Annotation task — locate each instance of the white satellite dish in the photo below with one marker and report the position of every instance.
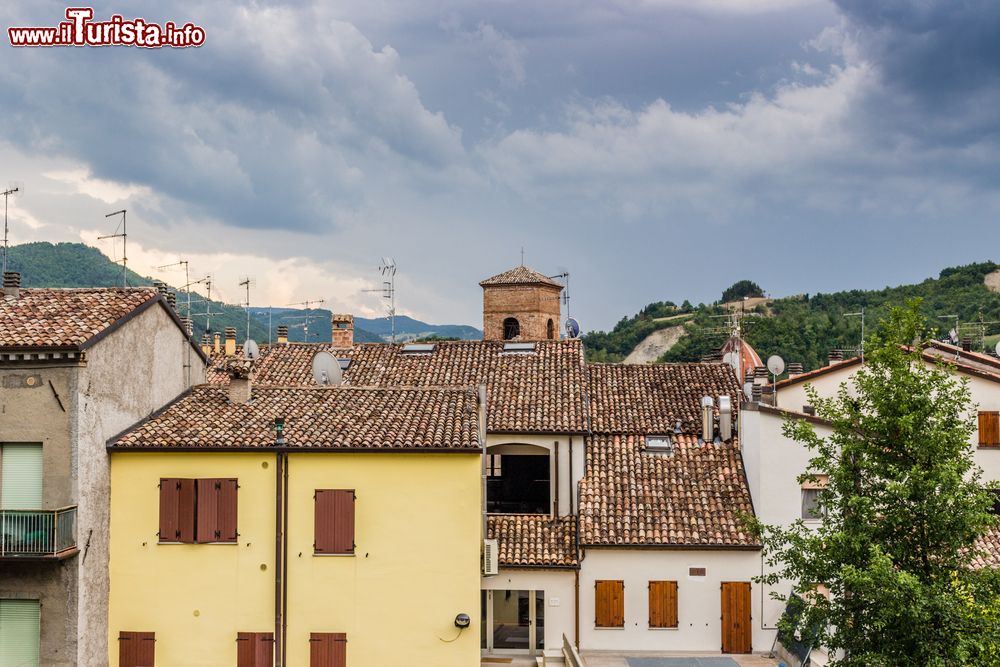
(326, 369)
(250, 349)
(748, 390)
(997, 348)
(776, 364)
(732, 359)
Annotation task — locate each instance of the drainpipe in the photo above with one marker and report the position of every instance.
(482, 441)
(278, 555)
(555, 502)
(284, 566)
(572, 505)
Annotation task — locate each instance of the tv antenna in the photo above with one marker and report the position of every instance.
(187, 279)
(387, 269)
(207, 281)
(860, 314)
(563, 276)
(6, 195)
(308, 317)
(124, 237)
(247, 282)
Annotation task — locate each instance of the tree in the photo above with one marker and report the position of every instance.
(903, 506)
(743, 288)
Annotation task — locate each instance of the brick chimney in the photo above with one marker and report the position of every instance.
(230, 341)
(216, 348)
(283, 334)
(967, 343)
(343, 330)
(239, 380)
(206, 344)
(11, 285)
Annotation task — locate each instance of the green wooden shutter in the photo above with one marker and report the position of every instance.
(21, 479)
(19, 633)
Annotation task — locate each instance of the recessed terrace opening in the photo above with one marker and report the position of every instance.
(518, 480)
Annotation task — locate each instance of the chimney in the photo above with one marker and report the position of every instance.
(794, 368)
(967, 343)
(707, 418)
(230, 341)
(188, 328)
(206, 344)
(760, 375)
(757, 392)
(835, 357)
(239, 381)
(216, 348)
(343, 330)
(11, 285)
(161, 287)
(172, 300)
(283, 334)
(725, 418)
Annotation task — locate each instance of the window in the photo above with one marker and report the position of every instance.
(198, 510)
(493, 465)
(661, 444)
(327, 649)
(663, 604)
(521, 486)
(989, 429)
(511, 328)
(19, 632)
(609, 604)
(550, 329)
(418, 348)
(21, 476)
(136, 649)
(811, 487)
(518, 348)
(254, 649)
(334, 521)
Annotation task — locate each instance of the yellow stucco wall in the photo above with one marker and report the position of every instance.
(416, 565)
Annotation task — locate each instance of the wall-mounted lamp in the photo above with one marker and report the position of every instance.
(462, 621)
(279, 431)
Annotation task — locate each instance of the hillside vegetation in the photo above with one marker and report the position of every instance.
(806, 327)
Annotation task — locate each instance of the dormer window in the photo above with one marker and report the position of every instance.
(660, 444)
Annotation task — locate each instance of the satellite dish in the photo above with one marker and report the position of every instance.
(326, 369)
(250, 349)
(732, 359)
(748, 390)
(776, 364)
(572, 328)
(997, 348)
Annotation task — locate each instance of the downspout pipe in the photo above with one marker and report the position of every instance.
(482, 441)
(279, 539)
(284, 566)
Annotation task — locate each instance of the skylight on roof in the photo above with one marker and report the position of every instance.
(344, 364)
(660, 444)
(418, 348)
(519, 347)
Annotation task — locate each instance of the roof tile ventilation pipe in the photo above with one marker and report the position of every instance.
(707, 418)
(725, 418)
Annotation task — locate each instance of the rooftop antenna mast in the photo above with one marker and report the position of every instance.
(207, 280)
(308, 316)
(124, 237)
(860, 314)
(187, 279)
(387, 269)
(563, 275)
(247, 282)
(6, 195)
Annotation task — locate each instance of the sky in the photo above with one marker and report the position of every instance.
(654, 149)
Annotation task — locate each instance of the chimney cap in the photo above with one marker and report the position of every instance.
(11, 279)
(231, 333)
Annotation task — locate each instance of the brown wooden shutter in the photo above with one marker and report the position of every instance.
(177, 500)
(327, 649)
(334, 529)
(254, 649)
(136, 649)
(227, 510)
(217, 510)
(989, 429)
(663, 604)
(609, 604)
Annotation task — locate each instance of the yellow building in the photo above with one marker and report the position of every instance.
(322, 526)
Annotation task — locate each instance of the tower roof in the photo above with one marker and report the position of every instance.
(520, 275)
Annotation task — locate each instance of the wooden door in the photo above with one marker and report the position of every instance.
(736, 619)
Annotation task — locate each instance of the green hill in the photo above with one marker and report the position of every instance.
(806, 327)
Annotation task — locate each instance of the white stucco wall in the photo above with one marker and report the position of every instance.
(559, 587)
(699, 603)
(131, 373)
(570, 465)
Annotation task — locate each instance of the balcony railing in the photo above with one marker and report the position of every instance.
(37, 533)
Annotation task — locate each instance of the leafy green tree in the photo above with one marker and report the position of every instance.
(903, 505)
(740, 289)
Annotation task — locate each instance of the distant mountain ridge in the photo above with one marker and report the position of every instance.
(44, 264)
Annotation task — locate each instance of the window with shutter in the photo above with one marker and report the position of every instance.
(609, 604)
(217, 510)
(136, 649)
(254, 649)
(19, 631)
(327, 649)
(334, 521)
(989, 429)
(177, 511)
(663, 604)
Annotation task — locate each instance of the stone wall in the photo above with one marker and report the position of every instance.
(531, 305)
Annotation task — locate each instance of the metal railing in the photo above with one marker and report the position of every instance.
(37, 533)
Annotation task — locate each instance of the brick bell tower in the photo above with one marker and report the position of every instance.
(520, 304)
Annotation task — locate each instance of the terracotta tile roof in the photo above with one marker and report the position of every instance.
(315, 417)
(988, 549)
(520, 275)
(534, 540)
(540, 391)
(65, 318)
(651, 399)
(694, 497)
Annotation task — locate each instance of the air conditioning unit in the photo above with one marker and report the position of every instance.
(491, 557)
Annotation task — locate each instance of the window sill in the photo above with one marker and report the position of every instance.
(996, 447)
(601, 627)
(198, 544)
(661, 629)
(315, 555)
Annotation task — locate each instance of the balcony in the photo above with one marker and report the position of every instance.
(38, 534)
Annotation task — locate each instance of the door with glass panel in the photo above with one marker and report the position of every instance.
(513, 622)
